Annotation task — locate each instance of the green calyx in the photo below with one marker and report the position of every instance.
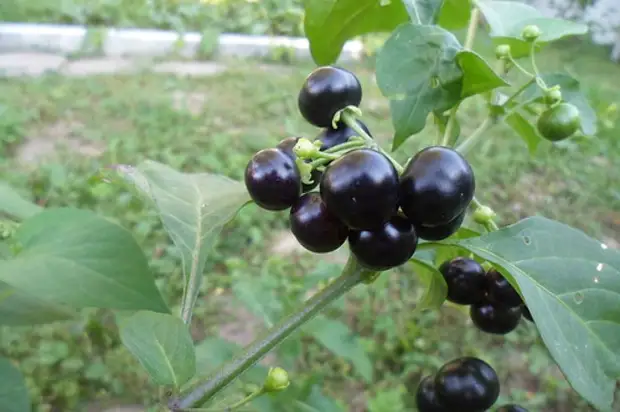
(277, 380)
(531, 33)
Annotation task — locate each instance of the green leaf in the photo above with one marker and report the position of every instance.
(434, 284)
(77, 258)
(13, 204)
(454, 14)
(342, 342)
(478, 76)
(14, 395)
(524, 128)
(163, 346)
(20, 309)
(507, 19)
(194, 207)
(418, 72)
(571, 284)
(571, 93)
(328, 24)
(317, 402)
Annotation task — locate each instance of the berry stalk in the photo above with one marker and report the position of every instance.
(352, 275)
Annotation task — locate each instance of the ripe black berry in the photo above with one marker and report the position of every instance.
(361, 188)
(466, 280)
(386, 247)
(332, 137)
(467, 385)
(272, 180)
(314, 226)
(526, 313)
(501, 292)
(327, 90)
(511, 408)
(495, 320)
(436, 186)
(287, 146)
(426, 397)
(440, 232)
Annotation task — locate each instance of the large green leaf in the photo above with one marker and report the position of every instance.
(507, 19)
(194, 207)
(525, 129)
(163, 346)
(478, 76)
(572, 93)
(13, 204)
(454, 14)
(328, 24)
(571, 284)
(418, 72)
(340, 340)
(19, 309)
(77, 258)
(14, 395)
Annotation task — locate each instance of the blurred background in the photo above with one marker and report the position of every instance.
(58, 129)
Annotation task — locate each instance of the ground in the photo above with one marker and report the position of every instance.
(211, 117)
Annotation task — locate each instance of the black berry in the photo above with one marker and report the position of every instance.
(467, 385)
(440, 232)
(466, 280)
(501, 292)
(332, 137)
(496, 320)
(437, 186)
(314, 226)
(327, 90)
(527, 314)
(272, 180)
(386, 247)
(511, 408)
(287, 146)
(426, 397)
(361, 188)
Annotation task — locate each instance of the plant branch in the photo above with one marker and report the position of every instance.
(352, 275)
(469, 42)
(475, 137)
(519, 91)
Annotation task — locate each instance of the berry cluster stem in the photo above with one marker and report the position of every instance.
(473, 139)
(352, 275)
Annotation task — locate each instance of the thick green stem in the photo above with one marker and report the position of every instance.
(352, 275)
(469, 42)
(475, 137)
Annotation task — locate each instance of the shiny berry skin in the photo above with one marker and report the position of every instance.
(527, 314)
(511, 408)
(491, 319)
(287, 146)
(440, 232)
(332, 137)
(314, 227)
(386, 247)
(437, 185)
(326, 91)
(361, 188)
(467, 385)
(501, 292)
(559, 122)
(466, 280)
(426, 397)
(272, 180)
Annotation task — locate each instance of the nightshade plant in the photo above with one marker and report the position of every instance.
(59, 260)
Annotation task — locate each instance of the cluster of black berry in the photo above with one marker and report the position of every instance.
(465, 385)
(361, 195)
(495, 306)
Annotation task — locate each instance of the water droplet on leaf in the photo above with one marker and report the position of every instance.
(578, 298)
(527, 240)
(600, 267)
(596, 279)
(604, 246)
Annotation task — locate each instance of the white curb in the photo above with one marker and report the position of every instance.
(66, 40)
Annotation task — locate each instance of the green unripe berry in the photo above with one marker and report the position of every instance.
(502, 51)
(559, 122)
(277, 380)
(553, 96)
(531, 32)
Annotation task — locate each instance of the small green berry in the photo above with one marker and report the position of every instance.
(484, 214)
(277, 380)
(531, 33)
(553, 96)
(502, 51)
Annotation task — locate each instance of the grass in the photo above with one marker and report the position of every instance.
(214, 124)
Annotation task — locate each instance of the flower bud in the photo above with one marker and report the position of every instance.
(277, 380)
